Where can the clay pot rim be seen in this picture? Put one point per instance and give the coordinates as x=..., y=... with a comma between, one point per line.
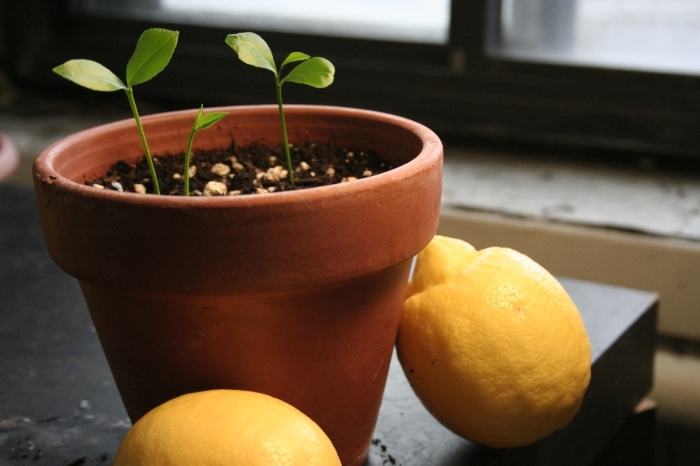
x=431, y=151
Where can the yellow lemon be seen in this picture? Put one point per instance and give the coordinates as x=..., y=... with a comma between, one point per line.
x=492, y=344
x=226, y=428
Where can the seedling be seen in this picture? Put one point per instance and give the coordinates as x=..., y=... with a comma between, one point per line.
x=313, y=71
x=200, y=122
x=153, y=51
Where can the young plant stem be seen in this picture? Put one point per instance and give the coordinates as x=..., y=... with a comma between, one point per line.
x=312, y=71
x=188, y=152
x=285, y=140
x=149, y=159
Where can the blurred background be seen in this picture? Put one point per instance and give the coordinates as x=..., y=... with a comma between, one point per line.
x=604, y=74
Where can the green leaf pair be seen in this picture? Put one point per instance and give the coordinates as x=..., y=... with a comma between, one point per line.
x=152, y=54
x=253, y=50
x=313, y=71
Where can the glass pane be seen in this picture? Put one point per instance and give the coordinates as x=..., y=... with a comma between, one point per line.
x=424, y=21
x=648, y=35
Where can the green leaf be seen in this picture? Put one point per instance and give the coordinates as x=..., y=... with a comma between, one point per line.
x=252, y=49
x=210, y=120
x=294, y=56
x=198, y=118
x=315, y=72
x=90, y=74
x=153, y=52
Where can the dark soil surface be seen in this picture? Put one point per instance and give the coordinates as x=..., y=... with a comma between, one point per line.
x=252, y=169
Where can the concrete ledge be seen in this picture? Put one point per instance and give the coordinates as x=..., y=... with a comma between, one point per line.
x=667, y=266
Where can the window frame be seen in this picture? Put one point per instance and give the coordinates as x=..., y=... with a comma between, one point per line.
x=457, y=89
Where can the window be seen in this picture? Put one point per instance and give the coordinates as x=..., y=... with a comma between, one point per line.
x=400, y=20
x=533, y=71
x=644, y=35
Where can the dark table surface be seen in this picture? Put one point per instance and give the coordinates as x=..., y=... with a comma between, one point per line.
x=59, y=404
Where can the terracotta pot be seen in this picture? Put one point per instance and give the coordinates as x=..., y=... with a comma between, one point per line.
x=294, y=294
x=9, y=157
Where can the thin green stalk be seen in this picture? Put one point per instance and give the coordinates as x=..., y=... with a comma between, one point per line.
x=285, y=140
x=134, y=110
x=188, y=151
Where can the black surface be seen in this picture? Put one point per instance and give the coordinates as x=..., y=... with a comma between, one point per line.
x=58, y=401
x=59, y=405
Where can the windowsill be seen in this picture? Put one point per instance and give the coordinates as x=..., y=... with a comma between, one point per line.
x=625, y=198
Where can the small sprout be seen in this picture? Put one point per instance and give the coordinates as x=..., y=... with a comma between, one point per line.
x=153, y=52
x=312, y=71
x=201, y=121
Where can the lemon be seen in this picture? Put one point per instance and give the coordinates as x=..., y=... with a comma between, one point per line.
x=492, y=344
x=226, y=428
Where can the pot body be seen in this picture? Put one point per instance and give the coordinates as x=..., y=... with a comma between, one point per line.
x=294, y=294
